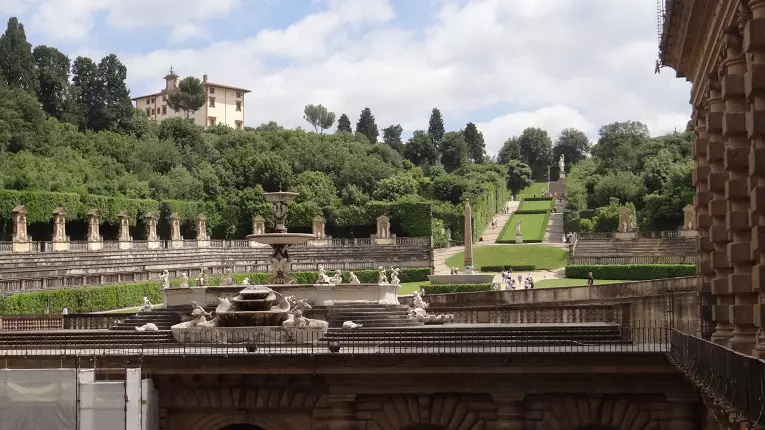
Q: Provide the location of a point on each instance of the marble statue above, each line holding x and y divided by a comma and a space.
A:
246, 281
20, 224
65, 311
146, 306
354, 279
227, 277
350, 325
625, 224
383, 227
147, 327
518, 228
164, 279
295, 316
419, 313
337, 279
124, 235
394, 276
323, 278
202, 279
382, 277
562, 165
184, 280
689, 218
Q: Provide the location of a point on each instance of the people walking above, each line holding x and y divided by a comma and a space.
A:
590, 280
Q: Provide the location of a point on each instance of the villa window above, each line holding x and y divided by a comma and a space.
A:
148, 112
212, 102
238, 125
212, 120
239, 94
238, 106
164, 110
152, 100
212, 90
152, 112
148, 101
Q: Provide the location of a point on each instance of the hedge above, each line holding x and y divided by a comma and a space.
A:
537, 199
365, 276
517, 268
634, 272
531, 211
484, 205
455, 288
82, 300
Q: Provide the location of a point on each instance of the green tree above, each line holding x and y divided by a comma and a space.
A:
619, 143
189, 97
367, 126
573, 144
536, 151
395, 187
53, 74
319, 117
344, 124
436, 128
421, 150
392, 137
475, 145
87, 99
518, 176
511, 150
21, 121
17, 65
117, 107
315, 187
454, 153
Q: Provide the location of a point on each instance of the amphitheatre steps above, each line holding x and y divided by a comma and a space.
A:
71, 339
638, 247
370, 315
164, 319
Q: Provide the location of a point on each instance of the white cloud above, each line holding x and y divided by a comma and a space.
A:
185, 31
558, 63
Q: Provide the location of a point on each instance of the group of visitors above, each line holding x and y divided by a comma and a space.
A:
510, 282
567, 237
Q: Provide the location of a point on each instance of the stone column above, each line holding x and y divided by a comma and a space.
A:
468, 239
124, 239
736, 163
21, 240
152, 238
754, 45
203, 240
717, 208
704, 269
176, 240
95, 241
319, 233
258, 227
60, 239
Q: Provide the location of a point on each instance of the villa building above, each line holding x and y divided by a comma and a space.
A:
224, 104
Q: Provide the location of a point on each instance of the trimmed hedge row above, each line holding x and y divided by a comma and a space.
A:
81, 300
365, 276
633, 272
531, 211
517, 268
455, 288
536, 199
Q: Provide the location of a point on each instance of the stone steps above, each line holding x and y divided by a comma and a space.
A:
163, 319
84, 339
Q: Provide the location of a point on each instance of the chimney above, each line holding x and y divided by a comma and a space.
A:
204, 77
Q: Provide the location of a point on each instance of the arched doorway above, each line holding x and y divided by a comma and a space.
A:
241, 427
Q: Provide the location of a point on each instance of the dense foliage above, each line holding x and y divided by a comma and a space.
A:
651, 176
81, 300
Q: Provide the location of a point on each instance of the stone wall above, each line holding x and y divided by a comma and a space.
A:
649, 301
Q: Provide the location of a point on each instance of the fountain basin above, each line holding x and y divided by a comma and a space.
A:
280, 238
280, 196
248, 319
259, 305
249, 336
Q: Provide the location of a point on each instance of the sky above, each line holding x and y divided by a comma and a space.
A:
502, 64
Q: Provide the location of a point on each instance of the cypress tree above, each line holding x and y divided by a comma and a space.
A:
475, 145
436, 128
17, 65
367, 125
344, 124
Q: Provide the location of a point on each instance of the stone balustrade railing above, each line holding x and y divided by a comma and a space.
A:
607, 235
47, 246
531, 313
57, 322
636, 259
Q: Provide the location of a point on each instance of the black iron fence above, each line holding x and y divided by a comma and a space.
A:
417, 340
733, 380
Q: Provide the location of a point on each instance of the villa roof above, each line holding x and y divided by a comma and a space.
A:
207, 84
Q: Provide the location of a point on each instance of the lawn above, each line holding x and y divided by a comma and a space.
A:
535, 189
566, 282
541, 256
535, 205
410, 287
533, 227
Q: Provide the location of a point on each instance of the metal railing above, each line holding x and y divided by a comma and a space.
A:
733, 380
454, 340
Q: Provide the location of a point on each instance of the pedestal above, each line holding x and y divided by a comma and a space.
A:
324, 294
17, 247
253, 244
319, 242
468, 270
390, 241
689, 233
124, 245
95, 245
204, 243
152, 244
518, 238
60, 246
631, 235
176, 244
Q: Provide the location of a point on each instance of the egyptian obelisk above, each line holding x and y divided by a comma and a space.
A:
468, 239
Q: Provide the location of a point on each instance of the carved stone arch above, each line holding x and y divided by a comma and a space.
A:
219, 421
426, 412
580, 411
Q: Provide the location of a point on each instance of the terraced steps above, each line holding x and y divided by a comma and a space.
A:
83, 339
370, 315
163, 319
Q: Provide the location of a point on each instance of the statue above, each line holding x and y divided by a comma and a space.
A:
175, 227
65, 311
382, 278
561, 165
295, 316
625, 224
146, 307
202, 279
689, 218
184, 280
246, 281
354, 279
337, 279
383, 227
394, 276
227, 277
419, 313
322, 278
164, 279
147, 327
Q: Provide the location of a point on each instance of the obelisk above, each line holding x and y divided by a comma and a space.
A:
468, 239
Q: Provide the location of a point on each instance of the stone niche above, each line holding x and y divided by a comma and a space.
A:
319, 232
21, 240
689, 222
124, 239
258, 227
625, 230
176, 240
152, 238
383, 236
60, 239
95, 241
203, 240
